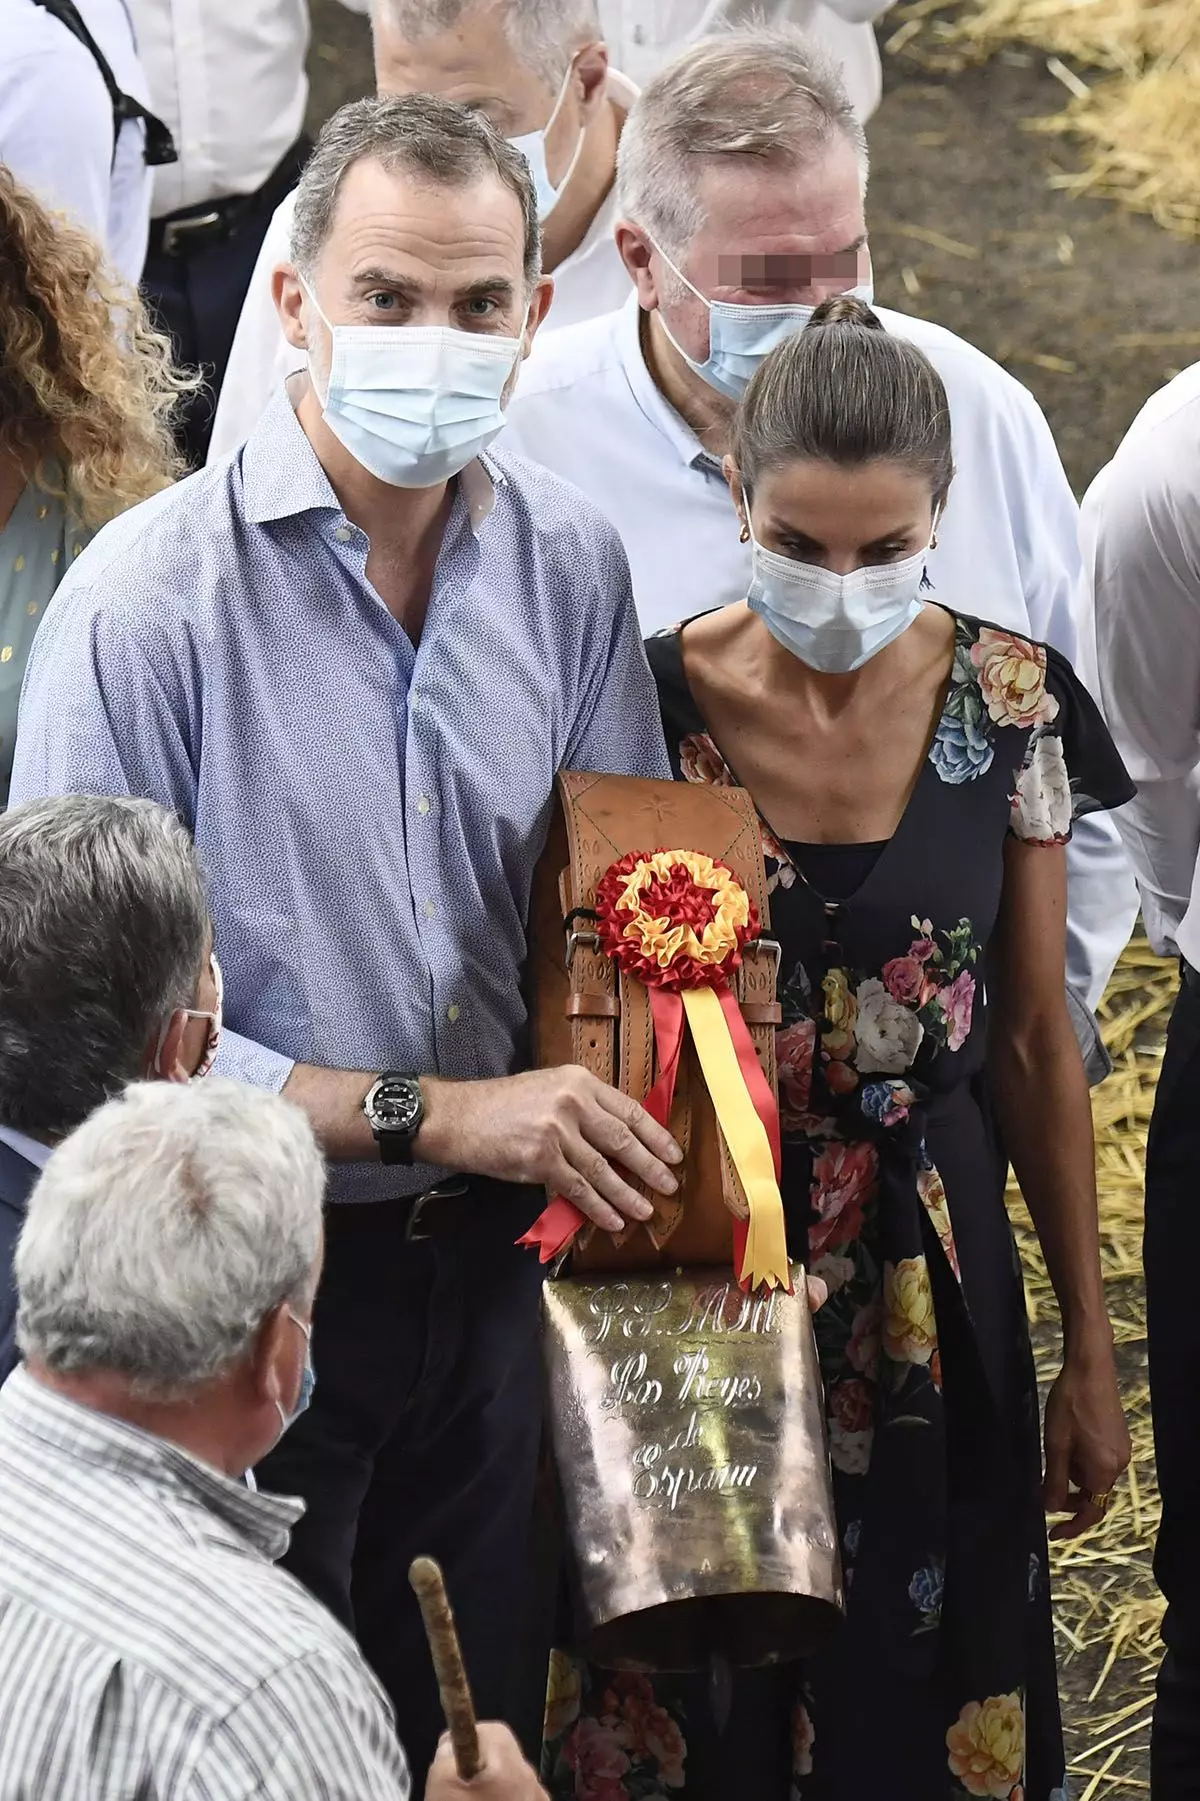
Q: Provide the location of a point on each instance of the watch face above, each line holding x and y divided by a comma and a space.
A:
396, 1106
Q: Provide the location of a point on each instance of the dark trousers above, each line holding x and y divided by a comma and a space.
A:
195, 295
423, 1436
1172, 1255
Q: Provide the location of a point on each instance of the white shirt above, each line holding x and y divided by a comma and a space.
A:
592, 280
1007, 550
642, 35
56, 123
1141, 543
228, 79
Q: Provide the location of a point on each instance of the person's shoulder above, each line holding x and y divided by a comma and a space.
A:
567, 361
551, 506
958, 361
149, 554
1163, 443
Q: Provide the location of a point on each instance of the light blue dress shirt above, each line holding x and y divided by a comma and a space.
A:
369, 814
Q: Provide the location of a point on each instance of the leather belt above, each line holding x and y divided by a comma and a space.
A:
196, 228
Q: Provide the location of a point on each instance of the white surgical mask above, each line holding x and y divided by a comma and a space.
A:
836, 623
740, 337
415, 404
214, 1026
532, 145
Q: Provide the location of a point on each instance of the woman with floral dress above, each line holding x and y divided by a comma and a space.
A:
916, 772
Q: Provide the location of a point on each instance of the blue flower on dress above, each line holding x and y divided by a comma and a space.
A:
926, 1589
962, 745
887, 1103
850, 1538
1059, 1794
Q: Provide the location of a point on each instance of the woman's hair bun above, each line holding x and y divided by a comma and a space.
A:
846, 309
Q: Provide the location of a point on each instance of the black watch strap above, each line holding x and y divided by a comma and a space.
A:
395, 1108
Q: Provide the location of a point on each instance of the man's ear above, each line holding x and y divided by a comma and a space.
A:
636, 252
590, 72
171, 1067
269, 1356
287, 291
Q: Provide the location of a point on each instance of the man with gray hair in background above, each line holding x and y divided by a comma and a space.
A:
107, 973
741, 192
538, 70
353, 659
148, 1646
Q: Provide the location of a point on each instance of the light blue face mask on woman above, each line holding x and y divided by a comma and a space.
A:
836, 623
741, 337
415, 404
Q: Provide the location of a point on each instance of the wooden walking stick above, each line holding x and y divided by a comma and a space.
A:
429, 1586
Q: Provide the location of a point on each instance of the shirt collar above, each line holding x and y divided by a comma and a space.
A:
88, 1436
650, 400
282, 475
32, 1149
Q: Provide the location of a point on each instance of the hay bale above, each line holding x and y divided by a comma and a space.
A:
1138, 124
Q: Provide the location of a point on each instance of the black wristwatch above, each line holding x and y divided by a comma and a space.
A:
394, 1110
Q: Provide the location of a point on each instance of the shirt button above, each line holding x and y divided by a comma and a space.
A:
343, 534
452, 1013
423, 805
430, 909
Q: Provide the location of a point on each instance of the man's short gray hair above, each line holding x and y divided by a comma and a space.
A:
415, 134
766, 93
544, 33
165, 1230
103, 929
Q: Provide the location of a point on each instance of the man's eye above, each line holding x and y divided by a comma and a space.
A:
482, 306
382, 302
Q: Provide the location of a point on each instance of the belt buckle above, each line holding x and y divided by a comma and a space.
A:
176, 229
442, 1191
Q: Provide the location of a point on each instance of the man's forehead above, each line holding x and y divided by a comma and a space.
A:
401, 215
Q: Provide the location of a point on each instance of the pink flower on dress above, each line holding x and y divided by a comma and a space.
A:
866, 1334
957, 1004
904, 979
701, 761
843, 1182
852, 1404
648, 1730
1012, 679
594, 1752
922, 949
794, 1048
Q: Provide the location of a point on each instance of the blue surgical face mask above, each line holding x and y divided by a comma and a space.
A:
740, 337
414, 404
532, 145
836, 623
308, 1380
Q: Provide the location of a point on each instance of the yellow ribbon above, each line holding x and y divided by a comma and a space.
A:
766, 1257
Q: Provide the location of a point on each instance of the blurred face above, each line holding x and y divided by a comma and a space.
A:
405, 251
770, 237
474, 63
839, 519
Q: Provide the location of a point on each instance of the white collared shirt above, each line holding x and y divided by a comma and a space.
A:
57, 128
642, 35
228, 78
32, 1149
1141, 542
1007, 550
592, 280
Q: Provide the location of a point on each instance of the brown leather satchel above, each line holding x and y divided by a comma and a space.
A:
584, 1010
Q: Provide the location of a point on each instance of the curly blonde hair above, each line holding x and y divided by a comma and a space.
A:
87, 387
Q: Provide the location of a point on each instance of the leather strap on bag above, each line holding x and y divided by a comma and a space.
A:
578, 999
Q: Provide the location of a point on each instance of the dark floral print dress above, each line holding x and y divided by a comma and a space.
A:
941, 1683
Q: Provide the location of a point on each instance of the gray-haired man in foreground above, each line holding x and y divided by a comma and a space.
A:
148, 1645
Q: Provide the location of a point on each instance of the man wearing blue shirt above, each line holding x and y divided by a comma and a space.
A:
353, 659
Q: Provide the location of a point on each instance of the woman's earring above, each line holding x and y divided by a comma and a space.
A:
933, 542
744, 535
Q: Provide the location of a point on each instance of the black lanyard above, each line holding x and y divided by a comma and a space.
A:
160, 145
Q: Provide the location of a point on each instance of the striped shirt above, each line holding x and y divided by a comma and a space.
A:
148, 1646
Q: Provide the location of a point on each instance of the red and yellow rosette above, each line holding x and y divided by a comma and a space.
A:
676, 921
